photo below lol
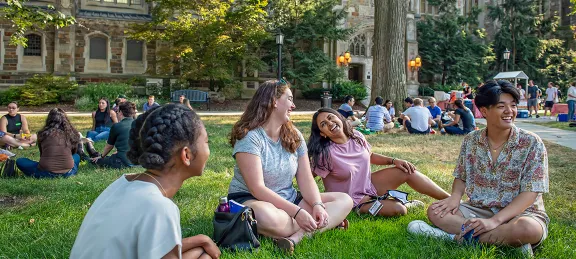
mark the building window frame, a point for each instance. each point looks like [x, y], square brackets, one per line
[32, 63]
[96, 65]
[134, 66]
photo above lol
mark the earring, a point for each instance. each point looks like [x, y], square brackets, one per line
[187, 163]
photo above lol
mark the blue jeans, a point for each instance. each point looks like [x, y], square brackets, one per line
[571, 107]
[453, 130]
[100, 133]
[30, 168]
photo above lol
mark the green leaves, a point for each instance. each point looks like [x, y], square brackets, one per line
[25, 18]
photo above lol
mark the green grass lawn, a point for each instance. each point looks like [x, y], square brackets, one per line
[554, 124]
[58, 206]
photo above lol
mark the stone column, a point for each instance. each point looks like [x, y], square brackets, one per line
[412, 83]
[64, 42]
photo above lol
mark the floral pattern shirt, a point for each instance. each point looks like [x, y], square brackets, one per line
[522, 166]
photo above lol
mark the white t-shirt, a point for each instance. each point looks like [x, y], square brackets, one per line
[550, 92]
[571, 91]
[418, 117]
[129, 220]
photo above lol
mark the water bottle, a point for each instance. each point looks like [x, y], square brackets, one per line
[223, 207]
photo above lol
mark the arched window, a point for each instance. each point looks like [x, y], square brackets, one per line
[358, 45]
[34, 47]
[98, 48]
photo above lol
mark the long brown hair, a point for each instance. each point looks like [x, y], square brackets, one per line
[258, 112]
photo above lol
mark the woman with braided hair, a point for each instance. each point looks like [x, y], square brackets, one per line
[135, 216]
[269, 153]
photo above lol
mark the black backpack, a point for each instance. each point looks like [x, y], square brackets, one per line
[8, 169]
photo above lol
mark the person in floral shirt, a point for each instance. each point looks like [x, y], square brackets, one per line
[504, 172]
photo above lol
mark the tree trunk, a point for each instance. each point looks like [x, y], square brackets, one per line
[389, 57]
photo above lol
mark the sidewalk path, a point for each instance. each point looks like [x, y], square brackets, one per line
[558, 136]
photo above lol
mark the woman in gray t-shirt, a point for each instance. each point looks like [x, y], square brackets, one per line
[269, 153]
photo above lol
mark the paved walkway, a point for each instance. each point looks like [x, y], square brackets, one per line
[561, 137]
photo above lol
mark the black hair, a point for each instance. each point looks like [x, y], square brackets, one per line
[489, 94]
[318, 150]
[14, 102]
[387, 101]
[378, 100]
[117, 101]
[128, 109]
[160, 132]
[348, 98]
[106, 111]
[409, 100]
[459, 104]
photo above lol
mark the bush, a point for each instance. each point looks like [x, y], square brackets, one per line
[91, 93]
[341, 89]
[425, 91]
[314, 93]
[42, 89]
[232, 90]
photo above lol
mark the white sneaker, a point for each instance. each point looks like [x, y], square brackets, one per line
[526, 249]
[414, 204]
[419, 227]
[551, 117]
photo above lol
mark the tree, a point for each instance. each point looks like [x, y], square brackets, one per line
[206, 39]
[451, 45]
[26, 17]
[389, 67]
[558, 62]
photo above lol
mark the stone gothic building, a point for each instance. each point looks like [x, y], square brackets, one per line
[98, 50]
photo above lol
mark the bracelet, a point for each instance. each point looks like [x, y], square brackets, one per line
[319, 203]
[297, 213]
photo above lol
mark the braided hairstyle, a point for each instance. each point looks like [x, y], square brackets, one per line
[161, 131]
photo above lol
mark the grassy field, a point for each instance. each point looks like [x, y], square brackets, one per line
[555, 124]
[40, 218]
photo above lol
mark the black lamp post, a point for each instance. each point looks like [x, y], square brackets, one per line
[506, 57]
[279, 42]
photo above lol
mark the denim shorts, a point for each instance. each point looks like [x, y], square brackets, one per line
[242, 197]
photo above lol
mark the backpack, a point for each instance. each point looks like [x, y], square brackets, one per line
[8, 169]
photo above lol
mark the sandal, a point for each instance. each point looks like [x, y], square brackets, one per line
[285, 244]
[344, 225]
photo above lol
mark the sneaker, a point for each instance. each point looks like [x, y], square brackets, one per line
[414, 204]
[419, 227]
[530, 116]
[537, 116]
[552, 118]
[526, 249]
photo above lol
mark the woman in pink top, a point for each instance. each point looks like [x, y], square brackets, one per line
[342, 157]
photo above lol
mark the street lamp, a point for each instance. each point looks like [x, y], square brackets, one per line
[506, 57]
[279, 42]
[344, 59]
[415, 65]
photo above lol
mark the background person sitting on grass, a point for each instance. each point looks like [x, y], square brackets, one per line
[135, 216]
[102, 120]
[435, 111]
[6, 139]
[463, 122]
[269, 153]
[342, 157]
[119, 135]
[378, 118]
[16, 124]
[346, 109]
[504, 171]
[417, 119]
[150, 103]
[58, 143]
[390, 107]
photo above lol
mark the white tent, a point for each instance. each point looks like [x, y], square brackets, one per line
[513, 76]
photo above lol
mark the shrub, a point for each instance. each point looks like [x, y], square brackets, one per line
[91, 93]
[425, 91]
[42, 89]
[232, 90]
[341, 89]
[314, 93]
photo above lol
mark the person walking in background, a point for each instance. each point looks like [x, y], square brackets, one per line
[58, 142]
[378, 118]
[16, 124]
[150, 104]
[102, 119]
[551, 96]
[533, 99]
[571, 100]
[347, 111]
[135, 216]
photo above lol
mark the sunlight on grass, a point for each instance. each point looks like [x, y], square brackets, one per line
[58, 206]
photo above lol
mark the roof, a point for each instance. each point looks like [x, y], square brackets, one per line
[114, 16]
[511, 74]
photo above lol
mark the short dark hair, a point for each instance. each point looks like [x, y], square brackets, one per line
[379, 100]
[408, 100]
[128, 109]
[489, 94]
[157, 134]
[459, 104]
[348, 98]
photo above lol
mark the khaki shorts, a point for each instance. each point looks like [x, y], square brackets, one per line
[483, 213]
[388, 126]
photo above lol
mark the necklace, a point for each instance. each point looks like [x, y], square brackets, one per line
[498, 147]
[159, 184]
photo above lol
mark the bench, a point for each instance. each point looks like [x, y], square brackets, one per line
[194, 96]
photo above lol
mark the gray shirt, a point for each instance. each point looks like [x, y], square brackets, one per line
[278, 165]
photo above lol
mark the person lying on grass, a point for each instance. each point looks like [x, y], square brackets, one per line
[269, 153]
[58, 143]
[341, 156]
[135, 216]
[504, 171]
